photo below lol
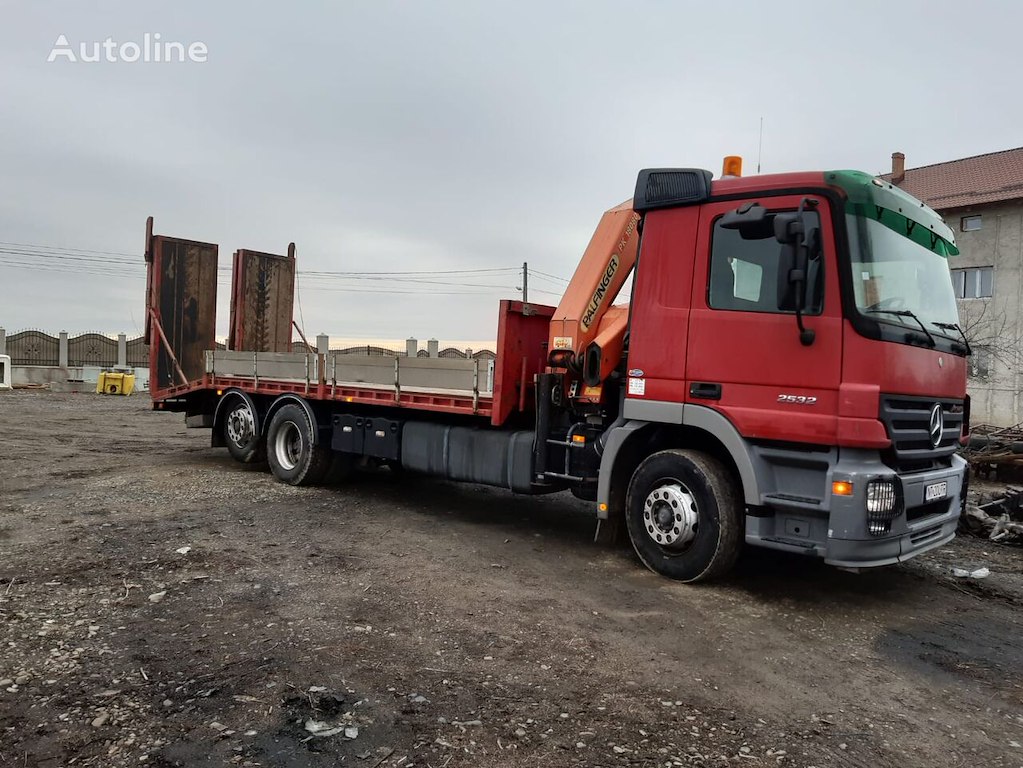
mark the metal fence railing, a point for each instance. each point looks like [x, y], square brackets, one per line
[33, 347]
[92, 349]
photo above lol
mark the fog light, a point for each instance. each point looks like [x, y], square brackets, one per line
[882, 506]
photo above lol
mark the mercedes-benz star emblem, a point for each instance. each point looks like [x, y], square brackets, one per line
[936, 425]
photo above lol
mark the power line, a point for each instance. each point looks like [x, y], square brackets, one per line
[548, 274]
[404, 276]
[70, 270]
[115, 264]
[421, 272]
[65, 250]
[541, 290]
[549, 281]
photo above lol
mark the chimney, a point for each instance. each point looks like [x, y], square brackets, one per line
[898, 168]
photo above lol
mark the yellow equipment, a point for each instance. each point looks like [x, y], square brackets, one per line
[111, 383]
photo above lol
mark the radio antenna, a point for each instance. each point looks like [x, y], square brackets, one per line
[760, 148]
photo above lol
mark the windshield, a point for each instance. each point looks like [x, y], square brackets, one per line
[894, 275]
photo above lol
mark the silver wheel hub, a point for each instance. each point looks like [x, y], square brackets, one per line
[241, 427]
[288, 445]
[670, 515]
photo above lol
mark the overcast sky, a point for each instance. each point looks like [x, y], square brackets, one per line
[435, 136]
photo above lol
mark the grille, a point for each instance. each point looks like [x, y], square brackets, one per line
[926, 535]
[939, 507]
[907, 421]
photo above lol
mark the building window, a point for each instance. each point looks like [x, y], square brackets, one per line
[744, 274]
[973, 283]
[969, 223]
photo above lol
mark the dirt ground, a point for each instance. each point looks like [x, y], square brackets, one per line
[161, 605]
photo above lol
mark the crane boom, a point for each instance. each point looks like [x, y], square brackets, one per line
[606, 264]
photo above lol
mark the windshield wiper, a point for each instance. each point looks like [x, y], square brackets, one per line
[908, 313]
[962, 335]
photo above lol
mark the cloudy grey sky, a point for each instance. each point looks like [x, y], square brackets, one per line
[435, 136]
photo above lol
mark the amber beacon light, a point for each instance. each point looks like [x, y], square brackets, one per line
[732, 167]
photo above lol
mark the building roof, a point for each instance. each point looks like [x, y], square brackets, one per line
[991, 178]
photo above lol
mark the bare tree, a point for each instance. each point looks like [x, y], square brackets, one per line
[991, 335]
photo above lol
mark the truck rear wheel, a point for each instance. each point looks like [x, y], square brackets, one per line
[243, 441]
[289, 442]
[684, 515]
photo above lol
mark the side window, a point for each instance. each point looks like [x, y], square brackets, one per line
[745, 274]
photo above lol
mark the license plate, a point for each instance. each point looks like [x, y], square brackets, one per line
[936, 491]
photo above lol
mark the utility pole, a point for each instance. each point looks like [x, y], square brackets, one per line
[525, 282]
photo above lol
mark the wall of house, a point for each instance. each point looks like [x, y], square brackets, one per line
[994, 324]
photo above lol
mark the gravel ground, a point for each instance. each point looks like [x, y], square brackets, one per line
[162, 605]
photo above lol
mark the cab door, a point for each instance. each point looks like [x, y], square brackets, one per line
[745, 358]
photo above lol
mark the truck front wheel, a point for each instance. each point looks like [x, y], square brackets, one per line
[289, 441]
[243, 442]
[684, 515]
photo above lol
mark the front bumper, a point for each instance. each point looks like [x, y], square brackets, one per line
[836, 528]
[920, 526]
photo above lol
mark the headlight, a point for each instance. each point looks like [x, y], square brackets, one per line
[882, 506]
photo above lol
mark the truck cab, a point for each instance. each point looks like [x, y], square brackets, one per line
[799, 331]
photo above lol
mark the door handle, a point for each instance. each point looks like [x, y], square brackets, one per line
[705, 390]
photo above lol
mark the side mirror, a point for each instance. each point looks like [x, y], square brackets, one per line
[791, 268]
[751, 220]
[800, 238]
[786, 228]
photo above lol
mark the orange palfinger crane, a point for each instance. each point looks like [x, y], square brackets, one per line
[588, 333]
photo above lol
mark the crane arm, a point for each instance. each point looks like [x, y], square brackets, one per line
[605, 265]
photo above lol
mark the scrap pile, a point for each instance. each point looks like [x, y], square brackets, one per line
[991, 447]
[1000, 519]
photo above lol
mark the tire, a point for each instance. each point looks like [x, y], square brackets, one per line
[289, 448]
[243, 441]
[684, 515]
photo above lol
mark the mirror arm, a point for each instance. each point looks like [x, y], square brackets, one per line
[806, 335]
[798, 278]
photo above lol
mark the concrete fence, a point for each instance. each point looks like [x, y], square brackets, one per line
[33, 347]
[40, 358]
[411, 349]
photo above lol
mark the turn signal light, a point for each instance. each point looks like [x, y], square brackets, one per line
[842, 488]
[578, 438]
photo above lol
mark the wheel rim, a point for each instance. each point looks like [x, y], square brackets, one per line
[288, 445]
[241, 426]
[670, 515]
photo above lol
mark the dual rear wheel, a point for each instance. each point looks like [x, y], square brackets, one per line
[295, 457]
[289, 446]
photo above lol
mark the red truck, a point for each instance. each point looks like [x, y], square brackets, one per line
[789, 373]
